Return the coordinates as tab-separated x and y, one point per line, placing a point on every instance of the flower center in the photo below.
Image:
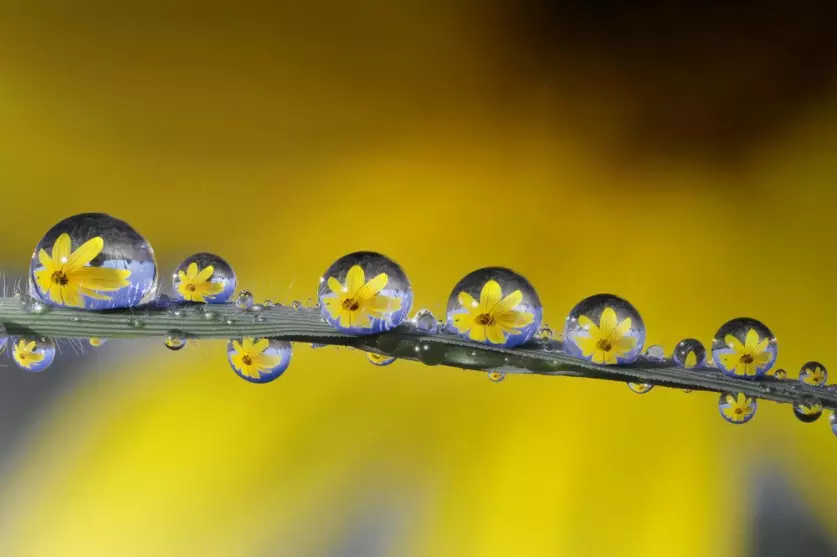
485	319
738	411
247	360
60	277
351	304
604	344
191	287
747	359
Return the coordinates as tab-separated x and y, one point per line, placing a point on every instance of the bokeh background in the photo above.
681	155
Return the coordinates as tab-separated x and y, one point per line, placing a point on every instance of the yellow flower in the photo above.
496	376
66	277
815	377
24	354
357	301
194	285
691	360
607	341
745	359
738	408
493	317
96	342
640	388
806	410
249	357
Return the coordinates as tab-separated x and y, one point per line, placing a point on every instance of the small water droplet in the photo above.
318	345
296	305
496	376
136	323
424	321
75	318
175	340
261	318
33	305
544	335
780	374
244	301
655	352
255	308
268	303
229	321
379	359
210	315
640	388
96	342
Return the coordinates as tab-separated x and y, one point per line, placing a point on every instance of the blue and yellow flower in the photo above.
33	354
379	359
492	319
353	306
814	375
259	360
195	285
737	408
607	341
808	411
748	359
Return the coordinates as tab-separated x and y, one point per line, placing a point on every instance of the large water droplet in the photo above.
203	277
93	249
737	408
33	353
259	360
807	409
640	388
604	329
379	359
175	340
744	348
97	342
689	354
365	293
425	322
813	374
244	300
494	306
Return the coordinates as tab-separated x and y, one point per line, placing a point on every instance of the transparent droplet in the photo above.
261	318
604	329
655	352
296	305
205	278
259	360
379	359
229	322
640	388
425	322
4	337
833	422
244	300
268	303
689	354
33	353
807	409
210	315
93	248
737	408
96	342
744	348
256	308
780	374
813	374
496	376
365	293
136	323
33	305
175	340
544	335
494	306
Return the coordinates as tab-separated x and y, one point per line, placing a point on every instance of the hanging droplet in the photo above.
379	359
365	293
244	300
833	422
744	348
425	322
780	374
33	353
96	342
604	329
813	374
175	340
640	388
136	323
544	335
259	360
4	337
689	354
93	261
656	353
737	408
204	278
496	376
494	306
807	409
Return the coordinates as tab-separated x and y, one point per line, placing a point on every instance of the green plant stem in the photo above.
224	321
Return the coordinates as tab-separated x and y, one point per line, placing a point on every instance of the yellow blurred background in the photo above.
681	159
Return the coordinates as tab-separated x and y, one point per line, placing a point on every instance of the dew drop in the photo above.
175	340
244	300
256	308
33	354
136	323
96	342
689	354
229	322
261	318
379	359
780	374
640	388
296	305
807	409
737	408
259	360
268	303
584	341
34	306
656	353
210	315
739	348
813	374
425	322
544	335
496	376
75	318
204	278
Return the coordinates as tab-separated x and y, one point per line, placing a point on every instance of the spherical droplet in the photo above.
656	353
780	374
175	340
259	360
34	305
244	300
93	261
494	306
425	322
33	353
210	315
544	335
744	348
379	359
496	376
365	293
813	374
807	409
96	342
604	329
268	303
205	278
737	408
689	353
296	305
640	388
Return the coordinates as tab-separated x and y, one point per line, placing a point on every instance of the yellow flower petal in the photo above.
621	329
260	346
514	319
587	323
752	340
478	333
333	305
43	257
205	274
355	279
735	344
84	254
691	360
495	334
335	285
192	270
490	296
607	322
509	302
371	288
463	321
71	297
61	250
467	301
100	278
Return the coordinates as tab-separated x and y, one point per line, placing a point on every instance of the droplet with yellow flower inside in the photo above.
496	376
604	329
833	422
494	306
93	261
737	408
640	388
33	354
96	342
807	409
4	338
259	360
205	278
813	374
365	293
379	359
778	374
744	348
689	354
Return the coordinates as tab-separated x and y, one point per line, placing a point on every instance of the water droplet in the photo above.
121	263
96	342
544	335
210	315
33	353
256	308
780	374
229	322
689	354
296	305
379	359
4	337
205	278
833	422
496	376
268	303
318	345
136	323
75	318
244	300
175	340
259	360
813	374
604	329
655	352
33	305
515	309
737	408
744	348
640	388
425	322
807	409
261	318
365	293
